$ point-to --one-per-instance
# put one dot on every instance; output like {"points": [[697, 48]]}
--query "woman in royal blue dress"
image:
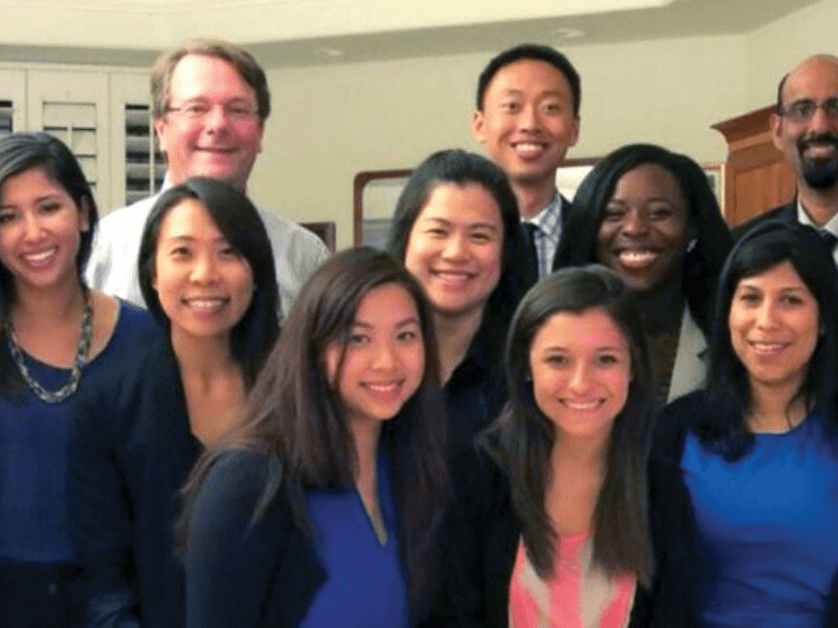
{"points": [[747, 528], [58, 334], [323, 509]]}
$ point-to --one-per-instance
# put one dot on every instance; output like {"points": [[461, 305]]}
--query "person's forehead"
{"points": [[817, 77], [529, 74], [198, 74]]}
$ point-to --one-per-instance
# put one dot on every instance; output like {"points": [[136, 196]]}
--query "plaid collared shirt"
{"points": [[548, 223]]}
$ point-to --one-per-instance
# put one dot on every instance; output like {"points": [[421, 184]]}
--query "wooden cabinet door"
{"points": [[756, 175]]}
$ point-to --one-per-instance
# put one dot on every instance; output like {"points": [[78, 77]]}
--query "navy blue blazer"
{"points": [[785, 213], [131, 450]]}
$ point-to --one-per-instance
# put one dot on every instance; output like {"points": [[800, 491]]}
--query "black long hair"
{"points": [[704, 258], [766, 245], [238, 221], [462, 168], [20, 152]]}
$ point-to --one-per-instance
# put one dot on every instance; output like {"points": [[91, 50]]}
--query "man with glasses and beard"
{"points": [[805, 129]]}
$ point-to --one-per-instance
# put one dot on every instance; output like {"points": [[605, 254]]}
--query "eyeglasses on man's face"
{"points": [[238, 111], [803, 110]]}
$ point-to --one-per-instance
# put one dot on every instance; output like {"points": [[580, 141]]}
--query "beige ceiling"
{"points": [[313, 32]]}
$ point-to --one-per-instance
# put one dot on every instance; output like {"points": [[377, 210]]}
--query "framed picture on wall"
{"points": [[374, 197], [571, 173]]}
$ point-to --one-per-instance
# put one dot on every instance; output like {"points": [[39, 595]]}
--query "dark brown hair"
{"points": [[20, 152], [461, 168], [295, 415], [522, 438], [763, 247]]}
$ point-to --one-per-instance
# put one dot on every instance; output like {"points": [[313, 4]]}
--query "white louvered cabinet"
{"points": [[102, 114], [73, 106], [12, 100]]}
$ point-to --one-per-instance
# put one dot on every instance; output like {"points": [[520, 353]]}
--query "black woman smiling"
{"points": [[650, 215]]}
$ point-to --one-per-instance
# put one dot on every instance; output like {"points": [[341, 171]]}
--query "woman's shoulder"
{"points": [[232, 490], [236, 477], [134, 325], [134, 359], [237, 466], [120, 328], [675, 420]]}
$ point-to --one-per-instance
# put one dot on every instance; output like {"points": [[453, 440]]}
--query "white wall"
{"points": [[329, 123], [777, 47], [332, 122]]}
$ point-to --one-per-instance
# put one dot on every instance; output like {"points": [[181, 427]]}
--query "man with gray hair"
{"points": [[210, 103]]}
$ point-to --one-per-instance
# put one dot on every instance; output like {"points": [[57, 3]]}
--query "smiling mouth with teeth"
{"points": [[529, 148], [454, 275], [208, 303], [39, 257], [582, 405], [767, 347], [382, 387], [637, 258]]}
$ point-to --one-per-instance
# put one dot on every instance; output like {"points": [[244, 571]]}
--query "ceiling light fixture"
{"points": [[565, 32], [329, 54]]}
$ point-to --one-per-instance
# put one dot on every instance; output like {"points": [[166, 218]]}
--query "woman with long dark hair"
{"points": [[572, 442], [649, 215], [552, 527], [206, 271], [58, 335], [456, 228], [747, 525], [323, 508]]}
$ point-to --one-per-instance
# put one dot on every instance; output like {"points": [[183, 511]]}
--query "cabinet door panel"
{"points": [[12, 101], [138, 167], [73, 105]]}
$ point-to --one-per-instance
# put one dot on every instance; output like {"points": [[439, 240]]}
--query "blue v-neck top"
{"points": [[766, 527], [365, 584]]}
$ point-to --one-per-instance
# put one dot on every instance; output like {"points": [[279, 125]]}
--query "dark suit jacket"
{"points": [[241, 572], [565, 209], [131, 450], [785, 213]]}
